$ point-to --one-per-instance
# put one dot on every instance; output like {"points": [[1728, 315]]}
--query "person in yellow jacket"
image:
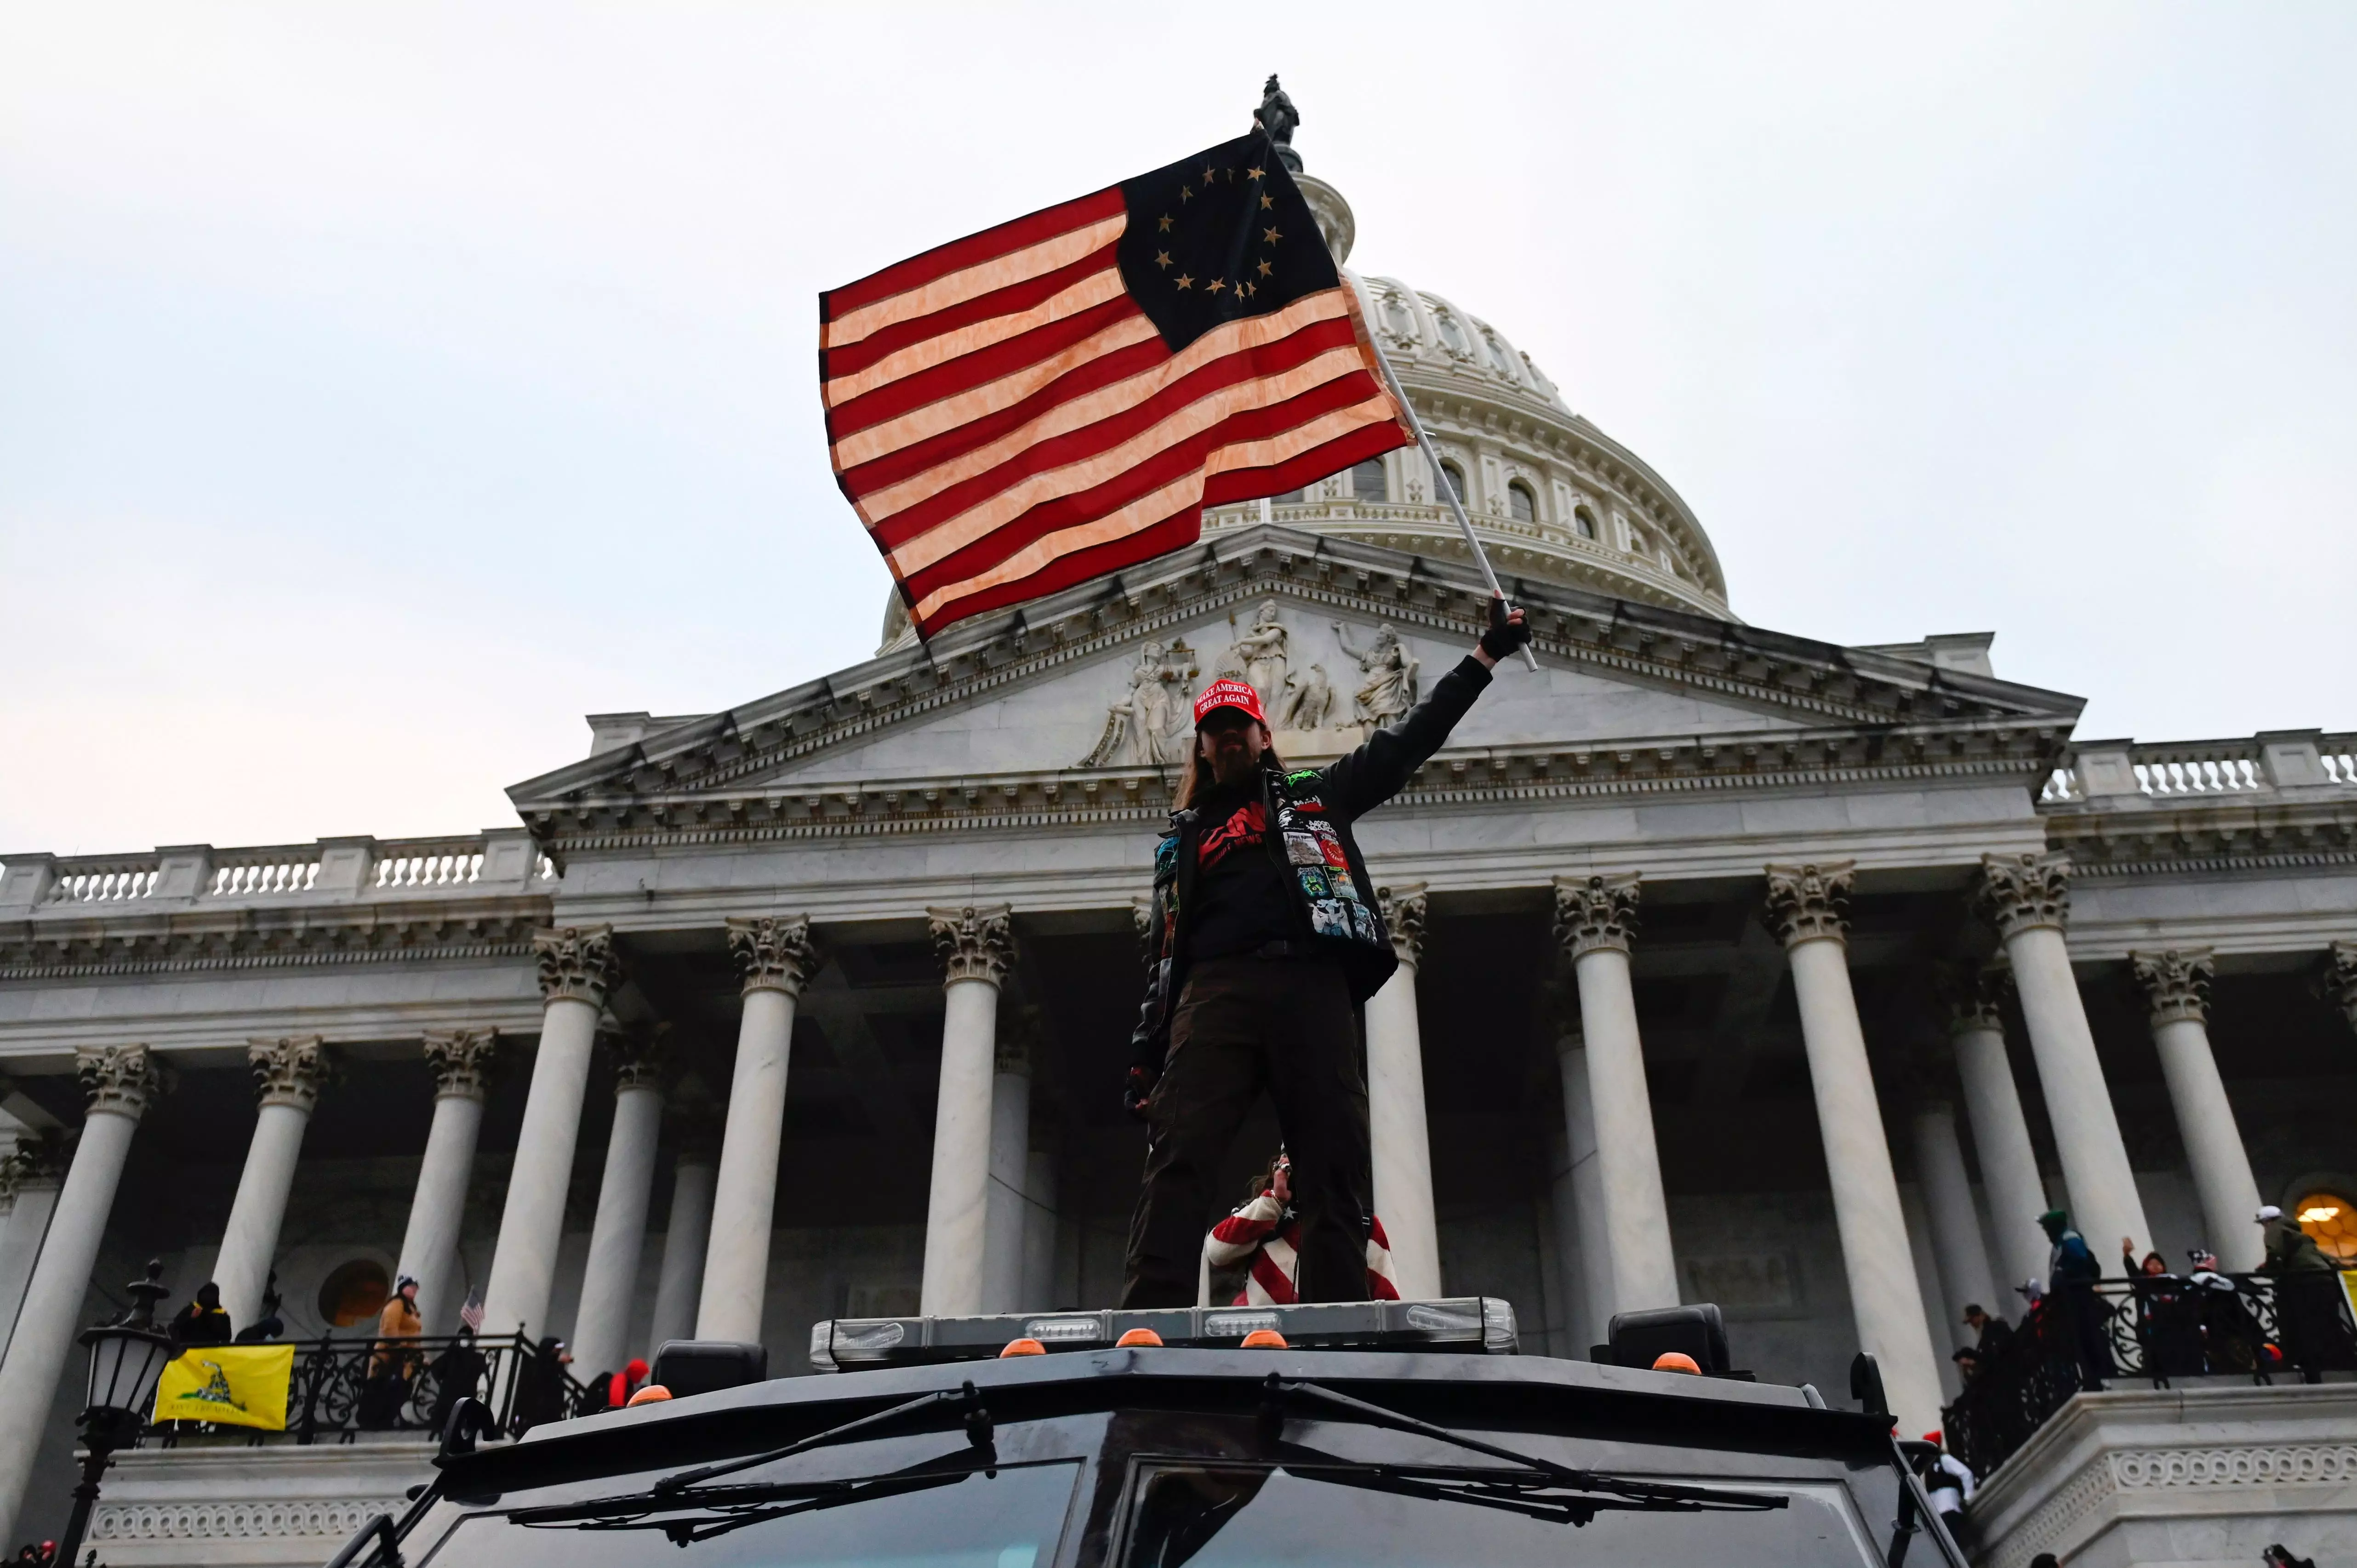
{"points": [[392, 1364]]}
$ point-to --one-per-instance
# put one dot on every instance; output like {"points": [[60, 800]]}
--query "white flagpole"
{"points": [[1439, 476]]}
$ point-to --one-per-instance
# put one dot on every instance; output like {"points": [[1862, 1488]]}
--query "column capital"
{"points": [[773, 952], [643, 1058], [1141, 920], [1976, 996], [289, 1071], [2337, 982], [1594, 912], [2176, 982], [1403, 907], [461, 1059], [1809, 903], [119, 1079], [974, 943], [576, 964], [2023, 892]]}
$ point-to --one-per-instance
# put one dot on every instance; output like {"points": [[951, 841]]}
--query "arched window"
{"points": [[1367, 480], [354, 1293], [2330, 1222], [1452, 335], [1636, 539], [1584, 521], [1454, 478], [1520, 504], [1290, 497]]}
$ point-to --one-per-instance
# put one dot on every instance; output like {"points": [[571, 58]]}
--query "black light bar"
{"points": [[1462, 1323]]}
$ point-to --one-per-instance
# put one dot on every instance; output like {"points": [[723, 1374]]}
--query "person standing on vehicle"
{"points": [[1266, 1230], [1266, 939]]}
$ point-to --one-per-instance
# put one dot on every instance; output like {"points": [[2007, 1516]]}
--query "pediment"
{"points": [[1337, 635]]}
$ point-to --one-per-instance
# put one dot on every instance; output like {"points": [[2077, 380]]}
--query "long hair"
{"points": [[1195, 776]]}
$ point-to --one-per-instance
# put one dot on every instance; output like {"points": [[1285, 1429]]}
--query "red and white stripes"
{"points": [[1007, 423], [1253, 1232]]}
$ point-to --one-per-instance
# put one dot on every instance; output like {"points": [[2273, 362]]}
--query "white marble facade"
{"points": [[1693, 914]]}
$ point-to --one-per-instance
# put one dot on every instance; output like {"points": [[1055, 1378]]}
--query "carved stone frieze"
{"points": [[2022, 892], [2338, 984], [36, 1159], [2176, 982], [577, 963], [289, 1071], [974, 943], [1976, 996], [773, 952], [118, 1078], [1153, 722], [131, 943], [1403, 907], [1595, 912], [462, 1060], [1809, 903]]}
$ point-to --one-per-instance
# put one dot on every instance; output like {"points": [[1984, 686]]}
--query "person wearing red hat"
{"points": [[1265, 938]]}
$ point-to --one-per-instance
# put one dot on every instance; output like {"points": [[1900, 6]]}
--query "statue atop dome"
{"points": [[1278, 117]]}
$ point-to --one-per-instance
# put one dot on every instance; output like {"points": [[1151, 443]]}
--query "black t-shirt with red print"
{"points": [[1241, 898]]}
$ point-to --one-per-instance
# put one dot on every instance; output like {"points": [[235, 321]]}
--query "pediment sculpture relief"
{"points": [[1153, 720], [1386, 676]]}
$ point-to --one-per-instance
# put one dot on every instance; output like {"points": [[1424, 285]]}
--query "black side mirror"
{"points": [[1865, 1385], [468, 1420]]}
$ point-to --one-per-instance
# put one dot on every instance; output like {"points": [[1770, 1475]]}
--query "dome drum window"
{"points": [[1522, 503], [1368, 482], [1583, 522], [1454, 478]]}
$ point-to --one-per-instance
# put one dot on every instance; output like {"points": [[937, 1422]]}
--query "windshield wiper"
{"points": [[1529, 1493], [1634, 1492], [681, 1489], [717, 1510]]}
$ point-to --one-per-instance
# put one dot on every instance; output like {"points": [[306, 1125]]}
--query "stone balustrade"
{"points": [[2109, 772], [348, 869]]}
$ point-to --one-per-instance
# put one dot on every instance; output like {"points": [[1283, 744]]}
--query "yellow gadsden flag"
{"points": [[239, 1385]]}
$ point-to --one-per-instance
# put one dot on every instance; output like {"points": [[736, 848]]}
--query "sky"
{"points": [[384, 388]]}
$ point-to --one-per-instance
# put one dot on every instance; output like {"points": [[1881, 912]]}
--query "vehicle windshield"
{"points": [[1010, 1518], [1312, 1516]]}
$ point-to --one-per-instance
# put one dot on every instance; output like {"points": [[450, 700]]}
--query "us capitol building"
{"points": [[1738, 967]]}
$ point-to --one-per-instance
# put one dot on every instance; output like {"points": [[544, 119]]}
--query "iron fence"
{"points": [[344, 1386], [2154, 1328]]}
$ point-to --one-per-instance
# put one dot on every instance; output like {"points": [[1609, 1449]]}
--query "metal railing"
{"points": [[2156, 1329], [345, 1387]]}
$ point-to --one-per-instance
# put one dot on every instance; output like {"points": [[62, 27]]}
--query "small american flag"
{"points": [[471, 1313], [1060, 397]]}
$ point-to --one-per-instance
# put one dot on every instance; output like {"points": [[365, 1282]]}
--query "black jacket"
{"points": [[1309, 814]]}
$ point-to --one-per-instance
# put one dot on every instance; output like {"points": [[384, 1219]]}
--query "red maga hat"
{"points": [[1236, 694]]}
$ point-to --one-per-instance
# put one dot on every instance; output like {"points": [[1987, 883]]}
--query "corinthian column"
{"points": [[976, 946], [461, 1059], [30, 1179], [2027, 898], [602, 1329], [1010, 1160], [2177, 985], [687, 1234], [286, 1077], [2338, 984], [2017, 1193], [577, 972], [1807, 911], [1401, 1137], [1956, 1245], [1594, 919], [118, 1080], [775, 958]]}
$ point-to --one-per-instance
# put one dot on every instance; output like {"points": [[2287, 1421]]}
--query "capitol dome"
{"points": [[1551, 497]]}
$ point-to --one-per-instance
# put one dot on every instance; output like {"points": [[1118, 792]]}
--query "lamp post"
{"points": [[126, 1358]]}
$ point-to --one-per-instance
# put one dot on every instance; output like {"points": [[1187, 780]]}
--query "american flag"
{"points": [[471, 1313], [1061, 396]]}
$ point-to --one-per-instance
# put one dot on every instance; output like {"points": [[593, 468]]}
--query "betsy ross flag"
{"points": [[1061, 396]]}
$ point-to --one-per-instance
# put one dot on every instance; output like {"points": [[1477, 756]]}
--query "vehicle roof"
{"points": [[1483, 1392]]}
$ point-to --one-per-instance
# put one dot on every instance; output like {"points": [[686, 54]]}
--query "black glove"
{"points": [[1137, 1089], [1504, 636]]}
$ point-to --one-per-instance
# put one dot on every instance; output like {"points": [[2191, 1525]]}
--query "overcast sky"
{"points": [[383, 389]]}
